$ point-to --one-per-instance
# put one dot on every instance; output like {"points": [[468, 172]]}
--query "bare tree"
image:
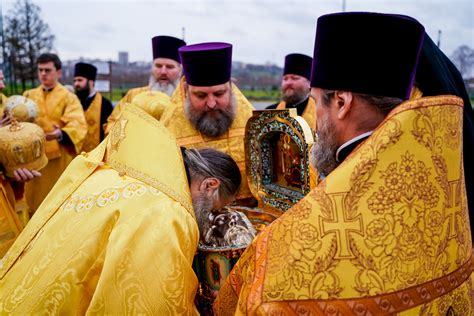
{"points": [[27, 36], [13, 51], [463, 58]]}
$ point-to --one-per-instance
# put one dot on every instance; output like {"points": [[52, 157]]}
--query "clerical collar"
{"points": [[48, 89], [345, 149], [299, 106], [92, 95]]}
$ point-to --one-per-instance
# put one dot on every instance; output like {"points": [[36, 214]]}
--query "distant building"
{"points": [[123, 58]]}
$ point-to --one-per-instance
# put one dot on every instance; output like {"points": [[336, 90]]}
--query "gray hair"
{"points": [[211, 163], [381, 103], [167, 88]]}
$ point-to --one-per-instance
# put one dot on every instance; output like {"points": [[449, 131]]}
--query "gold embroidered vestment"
{"points": [[57, 107], [116, 235], [386, 232]]}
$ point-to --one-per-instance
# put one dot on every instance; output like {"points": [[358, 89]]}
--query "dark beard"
{"points": [[211, 123], [83, 94], [323, 153]]}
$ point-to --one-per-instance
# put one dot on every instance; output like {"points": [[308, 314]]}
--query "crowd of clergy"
{"points": [[111, 224]]}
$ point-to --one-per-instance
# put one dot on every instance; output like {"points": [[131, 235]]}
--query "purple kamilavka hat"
{"points": [[206, 64]]}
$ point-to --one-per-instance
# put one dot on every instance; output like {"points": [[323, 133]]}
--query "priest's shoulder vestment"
{"points": [[116, 235], [387, 232]]}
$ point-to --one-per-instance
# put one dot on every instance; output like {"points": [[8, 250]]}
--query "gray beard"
{"points": [[203, 209], [167, 88], [323, 153], [211, 123], [295, 98]]}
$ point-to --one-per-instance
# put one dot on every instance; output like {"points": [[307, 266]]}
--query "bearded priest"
{"points": [[387, 231], [210, 111], [118, 233]]}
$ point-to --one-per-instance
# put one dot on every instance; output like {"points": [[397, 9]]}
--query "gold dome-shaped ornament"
{"points": [[22, 146], [21, 108]]}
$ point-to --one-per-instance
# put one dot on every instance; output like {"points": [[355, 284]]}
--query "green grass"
{"points": [[252, 95], [18, 90], [262, 95], [118, 93]]}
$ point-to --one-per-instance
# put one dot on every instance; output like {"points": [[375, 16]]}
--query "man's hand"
{"points": [[56, 134], [24, 175], [5, 120]]}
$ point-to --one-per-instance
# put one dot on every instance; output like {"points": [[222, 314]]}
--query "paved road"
{"points": [[259, 105]]}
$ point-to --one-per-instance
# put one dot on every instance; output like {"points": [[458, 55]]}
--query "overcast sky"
{"points": [[260, 31]]}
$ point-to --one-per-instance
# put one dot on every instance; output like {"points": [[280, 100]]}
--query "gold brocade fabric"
{"points": [[118, 109], [110, 239], [10, 225], [309, 114], [372, 237], [231, 142], [152, 102], [93, 123], [62, 108], [3, 101]]}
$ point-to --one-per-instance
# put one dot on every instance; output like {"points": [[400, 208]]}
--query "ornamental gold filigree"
{"points": [[117, 135]]}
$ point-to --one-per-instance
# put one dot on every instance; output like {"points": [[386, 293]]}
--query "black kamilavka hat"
{"points": [[298, 64], [369, 53], [85, 70], [166, 47]]}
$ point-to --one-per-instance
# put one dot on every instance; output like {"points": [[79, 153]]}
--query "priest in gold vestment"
{"points": [[210, 111], [3, 98], [11, 190], [165, 74], [437, 75], [295, 88], [96, 107], [61, 116], [387, 231], [118, 233], [10, 225]]}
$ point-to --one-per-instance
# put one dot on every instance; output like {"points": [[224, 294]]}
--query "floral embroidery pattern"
{"points": [[406, 229], [413, 218], [405, 182], [410, 233], [108, 196]]}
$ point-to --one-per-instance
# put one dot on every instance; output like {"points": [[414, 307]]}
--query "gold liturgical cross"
{"points": [[453, 206], [341, 224]]}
